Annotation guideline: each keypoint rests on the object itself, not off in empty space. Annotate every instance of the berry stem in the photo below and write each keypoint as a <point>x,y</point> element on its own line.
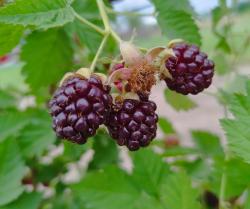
<point>106,22</point>
<point>90,24</point>
<point>98,53</point>
<point>104,15</point>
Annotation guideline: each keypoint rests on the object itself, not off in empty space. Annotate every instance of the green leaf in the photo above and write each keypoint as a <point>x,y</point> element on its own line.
<point>87,36</point>
<point>26,200</point>
<point>73,152</point>
<point>7,100</point>
<point>166,126</point>
<point>149,171</point>
<point>106,152</point>
<point>177,5</point>
<point>12,170</point>
<point>237,173</point>
<point>11,122</point>
<point>221,63</point>
<point>217,14</point>
<point>175,22</point>
<point>237,129</point>
<point>49,61</point>
<point>179,151</point>
<point>178,193</point>
<point>40,13</point>
<point>35,138</point>
<point>10,73</point>
<point>208,143</point>
<point>178,101</point>
<point>113,188</point>
<point>66,201</point>
<point>10,37</point>
<point>110,188</point>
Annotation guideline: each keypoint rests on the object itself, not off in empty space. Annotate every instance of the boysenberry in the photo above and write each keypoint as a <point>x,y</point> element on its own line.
<point>134,124</point>
<point>79,106</point>
<point>190,69</point>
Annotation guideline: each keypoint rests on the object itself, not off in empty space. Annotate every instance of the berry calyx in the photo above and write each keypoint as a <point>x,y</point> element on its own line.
<point>133,124</point>
<point>190,69</point>
<point>79,106</point>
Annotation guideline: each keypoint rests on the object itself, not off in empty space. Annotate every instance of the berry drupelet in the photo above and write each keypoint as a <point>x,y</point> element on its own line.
<point>79,107</point>
<point>133,124</point>
<point>190,69</point>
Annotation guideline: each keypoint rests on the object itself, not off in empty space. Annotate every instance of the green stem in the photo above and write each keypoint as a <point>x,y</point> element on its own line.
<point>90,24</point>
<point>115,36</point>
<point>108,28</point>
<point>98,53</point>
<point>104,15</point>
<point>222,194</point>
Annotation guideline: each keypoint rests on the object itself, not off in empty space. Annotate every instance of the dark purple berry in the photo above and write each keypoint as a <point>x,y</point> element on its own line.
<point>190,69</point>
<point>134,124</point>
<point>79,107</point>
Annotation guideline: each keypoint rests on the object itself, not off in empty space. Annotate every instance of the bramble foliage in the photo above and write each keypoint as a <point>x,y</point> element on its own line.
<point>46,39</point>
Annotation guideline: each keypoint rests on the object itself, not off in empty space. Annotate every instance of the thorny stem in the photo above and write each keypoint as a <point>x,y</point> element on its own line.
<point>86,22</point>
<point>98,53</point>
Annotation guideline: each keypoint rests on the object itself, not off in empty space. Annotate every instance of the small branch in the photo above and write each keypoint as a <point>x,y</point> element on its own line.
<point>90,24</point>
<point>104,15</point>
<point>98,53</point>
<point>115,36</point>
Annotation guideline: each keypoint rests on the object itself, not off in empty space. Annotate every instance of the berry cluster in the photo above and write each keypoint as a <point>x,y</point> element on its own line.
<point>83,101</point>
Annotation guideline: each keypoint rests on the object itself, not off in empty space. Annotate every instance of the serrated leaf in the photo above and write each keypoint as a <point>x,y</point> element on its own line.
<point>26,200</point>
<point>12,170</point>
<point>40,13</point>
<point>237,129</point>
<point>10,37</point>
<point>179,193</point>
<point>208,143</point>
<point>49,61</point>
<point>106,152</point>
<point>35,138</point>
<point>178,101</point>
<point>175,22</point>
<point>166,126</point>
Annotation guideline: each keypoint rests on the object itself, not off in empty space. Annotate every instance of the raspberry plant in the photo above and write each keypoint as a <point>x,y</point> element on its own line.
<point>64,67</point>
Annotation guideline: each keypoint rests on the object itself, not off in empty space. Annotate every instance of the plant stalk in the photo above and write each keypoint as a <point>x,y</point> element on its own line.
<point>90,24</point>
<point>98,53</point>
